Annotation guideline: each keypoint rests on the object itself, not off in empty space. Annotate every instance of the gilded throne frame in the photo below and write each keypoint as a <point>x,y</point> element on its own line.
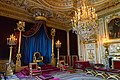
<point>37,57</point>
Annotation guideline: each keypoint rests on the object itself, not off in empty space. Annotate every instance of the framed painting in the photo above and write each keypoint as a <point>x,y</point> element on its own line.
<point>113,28</point>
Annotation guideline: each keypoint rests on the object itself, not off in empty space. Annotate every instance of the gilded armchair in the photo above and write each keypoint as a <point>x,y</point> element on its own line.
<point>37,57</point>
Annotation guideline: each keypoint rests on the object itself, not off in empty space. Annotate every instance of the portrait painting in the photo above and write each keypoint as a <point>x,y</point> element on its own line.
<point>114,28</point>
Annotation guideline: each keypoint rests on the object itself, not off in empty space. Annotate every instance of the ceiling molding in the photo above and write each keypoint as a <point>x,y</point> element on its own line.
<point>15,13</point>
<point>107,11</point>
<point>58,12</point>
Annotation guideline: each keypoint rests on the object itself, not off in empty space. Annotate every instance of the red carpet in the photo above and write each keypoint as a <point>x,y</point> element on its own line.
<point>46,69</point>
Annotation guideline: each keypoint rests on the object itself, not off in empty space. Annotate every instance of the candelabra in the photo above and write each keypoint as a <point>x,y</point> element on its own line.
<point>10,41</point>
<point>20,27</point>
<point>53,34</point>
<point>58,45</point>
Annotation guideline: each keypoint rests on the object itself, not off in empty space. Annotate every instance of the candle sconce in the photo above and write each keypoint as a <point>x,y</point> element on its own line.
<point>10,41</point>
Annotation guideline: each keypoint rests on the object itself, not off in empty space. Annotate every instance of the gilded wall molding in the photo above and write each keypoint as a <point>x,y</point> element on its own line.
<point>109,10</point>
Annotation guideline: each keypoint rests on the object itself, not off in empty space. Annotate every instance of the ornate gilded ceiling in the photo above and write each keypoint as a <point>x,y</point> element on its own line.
<point>58,12</point>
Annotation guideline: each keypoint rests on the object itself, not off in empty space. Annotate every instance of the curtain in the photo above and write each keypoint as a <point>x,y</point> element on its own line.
<point>38,41</point>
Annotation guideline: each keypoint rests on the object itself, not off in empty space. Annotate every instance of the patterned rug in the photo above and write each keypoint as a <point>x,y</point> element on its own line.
<point>59,76</point>
<point>76,76</point>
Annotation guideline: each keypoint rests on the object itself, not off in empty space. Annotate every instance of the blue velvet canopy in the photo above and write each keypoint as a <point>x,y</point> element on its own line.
<point>36,40</point>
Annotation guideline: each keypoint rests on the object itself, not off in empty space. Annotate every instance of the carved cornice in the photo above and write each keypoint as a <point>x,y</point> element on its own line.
<point>20,14</point>
<point>109,9</point>
<point>57,12</point>
<point>13,12</point>
<point>59,5</point>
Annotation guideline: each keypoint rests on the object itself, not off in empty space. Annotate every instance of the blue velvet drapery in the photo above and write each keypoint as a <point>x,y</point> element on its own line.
<point>37,42</point>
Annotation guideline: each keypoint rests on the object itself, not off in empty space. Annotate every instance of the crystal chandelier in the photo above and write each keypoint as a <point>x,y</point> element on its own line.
<point>84,22</point>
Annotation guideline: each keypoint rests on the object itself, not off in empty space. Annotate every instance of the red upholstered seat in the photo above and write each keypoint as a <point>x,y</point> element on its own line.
<point>74,59</point>
<point>116,64</point>
<point>82,65</point>
<point>63,66</point>
<point>34,69</point>
<point>100,69</point>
